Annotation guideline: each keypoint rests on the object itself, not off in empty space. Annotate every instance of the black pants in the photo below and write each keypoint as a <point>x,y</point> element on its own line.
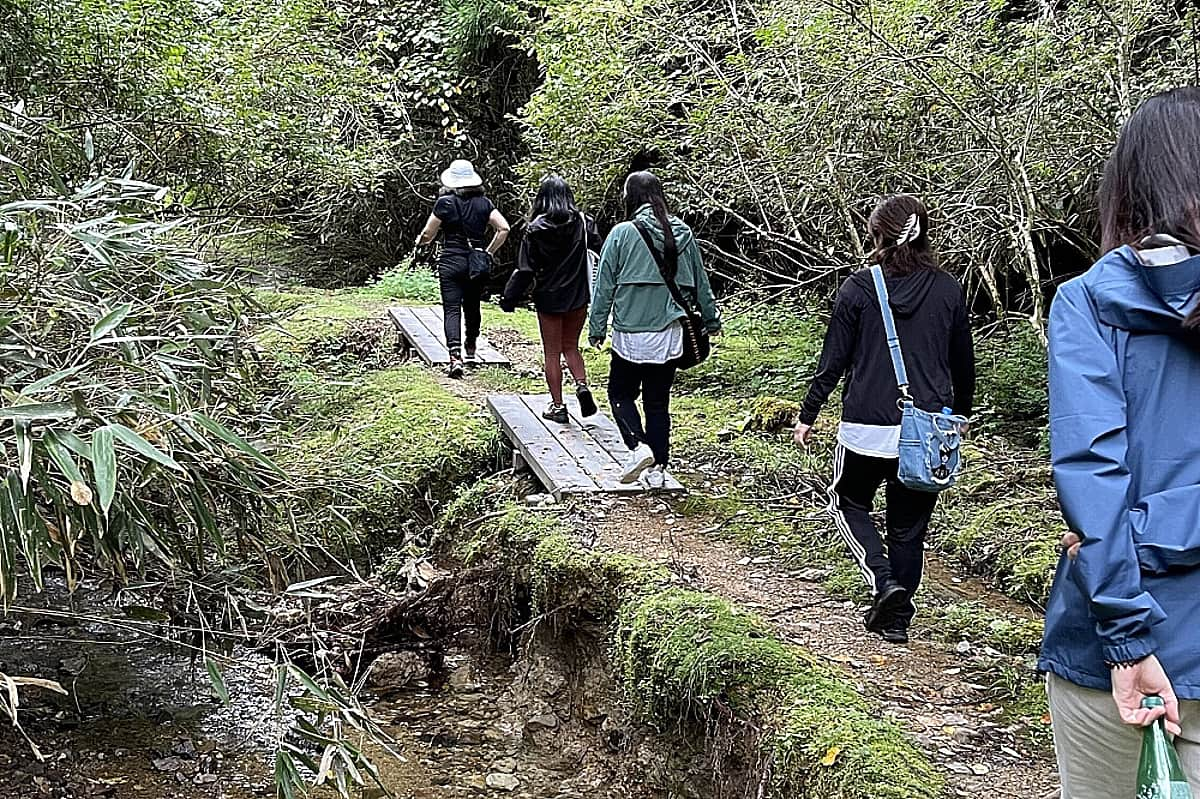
<point>460,297</point>
<point>856,479</point>
<point>626,380</point>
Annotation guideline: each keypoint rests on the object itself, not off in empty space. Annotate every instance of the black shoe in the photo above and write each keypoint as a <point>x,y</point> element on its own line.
<point>895,634</point>
<point>470,348</point>
<point>889,598</point>
<point>587,403</point>
<point>456,368</point>
<point>556,413</point>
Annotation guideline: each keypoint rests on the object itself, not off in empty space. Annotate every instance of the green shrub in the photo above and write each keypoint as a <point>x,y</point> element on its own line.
<point>1012,389</point>
<point>406,281</point>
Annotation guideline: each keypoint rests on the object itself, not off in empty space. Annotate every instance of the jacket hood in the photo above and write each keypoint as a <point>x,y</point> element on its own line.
<point>683,233</point>
<point>905,292</point>
<point>1132,296</point>
<point>545,225</point>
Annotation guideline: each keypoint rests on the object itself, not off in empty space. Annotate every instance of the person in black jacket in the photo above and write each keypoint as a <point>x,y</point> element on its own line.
<point>554,258</point>
<point>931,319</point>
<point>462,214</point>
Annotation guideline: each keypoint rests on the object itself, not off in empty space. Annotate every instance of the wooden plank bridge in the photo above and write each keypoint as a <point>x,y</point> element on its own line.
<point>422,330</point>
<point>584,456</point>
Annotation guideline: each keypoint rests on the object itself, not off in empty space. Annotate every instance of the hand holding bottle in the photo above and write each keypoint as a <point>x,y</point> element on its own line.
<point>1132,684</point>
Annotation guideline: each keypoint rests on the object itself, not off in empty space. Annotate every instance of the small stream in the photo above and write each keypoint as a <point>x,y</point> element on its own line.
<point>141,721</point>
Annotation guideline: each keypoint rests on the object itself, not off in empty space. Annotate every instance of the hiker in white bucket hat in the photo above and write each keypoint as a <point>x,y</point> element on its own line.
<point>463,214</point>
<point>461,175</point>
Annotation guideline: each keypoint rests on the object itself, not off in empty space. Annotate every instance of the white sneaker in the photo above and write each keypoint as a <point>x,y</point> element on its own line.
<point>639,461</point>
<point>654,478</point>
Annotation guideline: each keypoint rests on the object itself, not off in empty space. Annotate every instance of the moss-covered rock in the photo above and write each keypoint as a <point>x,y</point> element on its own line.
<point>684,656</point>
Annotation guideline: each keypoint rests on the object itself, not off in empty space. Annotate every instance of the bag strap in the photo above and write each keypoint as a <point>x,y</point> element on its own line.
<point>889,328</point>
<point>463,204</point>
<point>672,286</point>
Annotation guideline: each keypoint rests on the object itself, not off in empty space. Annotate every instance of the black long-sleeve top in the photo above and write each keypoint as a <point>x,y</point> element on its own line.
<point>553,258</point>
<point>935,335</point>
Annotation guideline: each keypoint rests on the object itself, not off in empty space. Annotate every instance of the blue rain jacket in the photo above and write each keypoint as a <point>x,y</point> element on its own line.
<point>1125,441</point>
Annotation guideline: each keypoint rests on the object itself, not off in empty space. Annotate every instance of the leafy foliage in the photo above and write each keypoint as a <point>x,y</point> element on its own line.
<point>779,124</point>
<point>119,356</point>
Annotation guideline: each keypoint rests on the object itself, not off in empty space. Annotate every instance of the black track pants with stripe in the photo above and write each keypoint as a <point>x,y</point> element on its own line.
<point>856,480</point>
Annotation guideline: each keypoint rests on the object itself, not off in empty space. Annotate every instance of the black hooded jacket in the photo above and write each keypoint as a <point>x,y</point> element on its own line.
<point>935,335</point>
<point>554,258</point>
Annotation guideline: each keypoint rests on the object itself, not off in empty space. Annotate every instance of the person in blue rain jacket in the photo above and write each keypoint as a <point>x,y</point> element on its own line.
<point>1123,620</point>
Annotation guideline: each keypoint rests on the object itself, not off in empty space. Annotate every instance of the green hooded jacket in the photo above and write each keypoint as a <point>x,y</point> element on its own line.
<point>631,289</point>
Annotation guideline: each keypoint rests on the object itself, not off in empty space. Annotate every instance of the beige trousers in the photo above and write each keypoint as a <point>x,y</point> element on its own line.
<point>1097,753</point>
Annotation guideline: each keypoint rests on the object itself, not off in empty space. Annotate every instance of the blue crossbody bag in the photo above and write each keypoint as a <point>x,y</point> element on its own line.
<point>929,442</point>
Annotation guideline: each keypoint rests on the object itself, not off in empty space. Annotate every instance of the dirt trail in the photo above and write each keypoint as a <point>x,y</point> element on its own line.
<point>921,685</point>
<point>925,685</point>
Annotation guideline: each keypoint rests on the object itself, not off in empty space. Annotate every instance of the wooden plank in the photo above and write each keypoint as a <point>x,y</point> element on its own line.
<point>554,466</point>
<point>434,320</point>
<point>593,458</point>
<point>485,353</point>
<point>604,431</point>
<point>431,348</point>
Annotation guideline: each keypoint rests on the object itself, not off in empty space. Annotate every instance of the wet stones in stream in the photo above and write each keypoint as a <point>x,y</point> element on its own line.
<point>534,728</point>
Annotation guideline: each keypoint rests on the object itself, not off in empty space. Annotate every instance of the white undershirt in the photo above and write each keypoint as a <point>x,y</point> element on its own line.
<point>873,440</point>
<point>657,346</point>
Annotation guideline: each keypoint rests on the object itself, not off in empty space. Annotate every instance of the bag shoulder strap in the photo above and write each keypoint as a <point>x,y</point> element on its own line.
<point>672,286</point>
<point>889,328</point>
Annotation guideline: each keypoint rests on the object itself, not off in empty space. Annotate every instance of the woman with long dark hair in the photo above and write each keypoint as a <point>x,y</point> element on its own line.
<point>462,214</point>
<point>554,258</point>
<point>647,334</point>
<point>932,322</point>
<point>1124,383</point>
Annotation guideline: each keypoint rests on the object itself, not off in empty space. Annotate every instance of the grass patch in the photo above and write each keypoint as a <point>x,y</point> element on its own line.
<point>764,351</point>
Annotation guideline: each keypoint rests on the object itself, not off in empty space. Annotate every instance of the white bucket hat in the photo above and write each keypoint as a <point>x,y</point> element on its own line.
<point>461,175</point>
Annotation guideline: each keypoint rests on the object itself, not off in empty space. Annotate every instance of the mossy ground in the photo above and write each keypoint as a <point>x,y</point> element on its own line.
<point>370,436</point>
<point>397,435</point>
<point>688,659</point>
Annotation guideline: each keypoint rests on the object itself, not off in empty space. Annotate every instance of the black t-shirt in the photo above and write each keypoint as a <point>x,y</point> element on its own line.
<point>464,219</point>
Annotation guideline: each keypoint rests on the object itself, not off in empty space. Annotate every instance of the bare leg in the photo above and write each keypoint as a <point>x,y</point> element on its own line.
<point>552,329</point>
<point>572,327</point>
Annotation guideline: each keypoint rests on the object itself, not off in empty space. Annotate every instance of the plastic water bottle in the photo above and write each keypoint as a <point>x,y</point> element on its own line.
<point>1159,773</point>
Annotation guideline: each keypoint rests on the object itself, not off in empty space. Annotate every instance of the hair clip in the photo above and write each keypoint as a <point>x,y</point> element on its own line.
<point>911,232</point>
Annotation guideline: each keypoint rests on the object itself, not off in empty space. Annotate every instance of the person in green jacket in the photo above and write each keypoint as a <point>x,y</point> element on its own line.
<point>647,335</point>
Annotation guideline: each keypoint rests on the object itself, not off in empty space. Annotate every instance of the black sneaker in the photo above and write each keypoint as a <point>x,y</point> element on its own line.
<point>895,634</point>
<point>556,413</point>
<point>587,403</point>
<point>470,348</point>
<point>889,598</point>
<point>456,368</point>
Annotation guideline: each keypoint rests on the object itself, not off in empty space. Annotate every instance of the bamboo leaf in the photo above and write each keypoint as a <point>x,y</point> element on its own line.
<point>104,466</point>
<point>229,437</point>
<point>39,411</point>
<point>143,447</point>
<point>217,680</point>
<point>24,450</point>
<point>50,380</point>
<point>75,444</point>
<point>110,321</point>
<point>62,457</point>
